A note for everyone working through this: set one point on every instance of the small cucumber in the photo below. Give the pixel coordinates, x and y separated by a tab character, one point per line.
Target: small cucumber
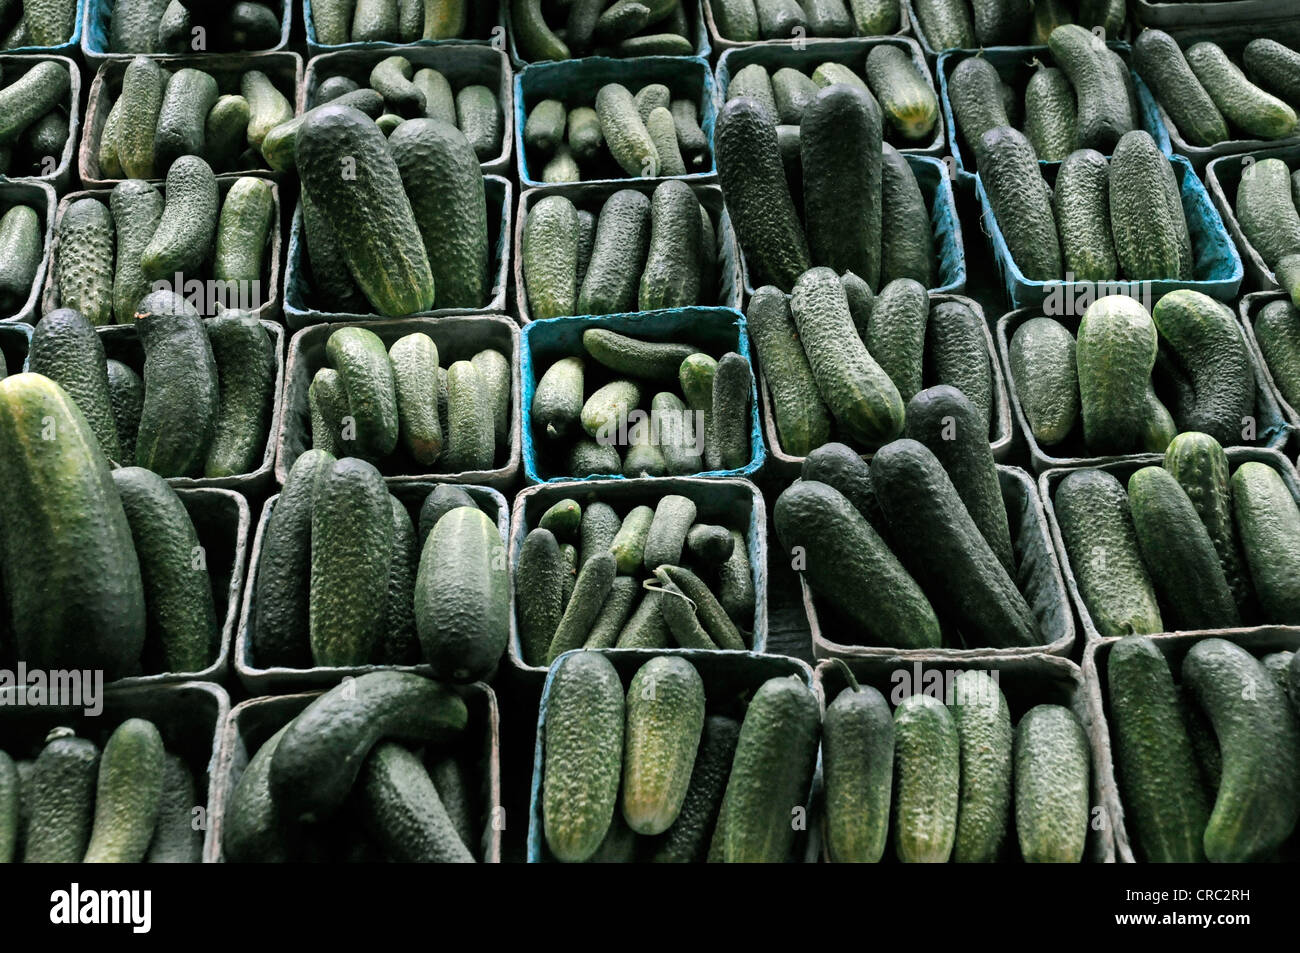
614	613
927	757
802	421
470	443
1268	520
629	542
647	628
595	579
557	401
1051	786
665	718
606	411
730	421
362	362
722	631
128	794
188	224
478	115
402	810
182	117
710	545
625	134
539	594
680	434
398	641
391	78
563	519
84	265
550	257
414	359
673	518
647	360
267	106
858	763
983	721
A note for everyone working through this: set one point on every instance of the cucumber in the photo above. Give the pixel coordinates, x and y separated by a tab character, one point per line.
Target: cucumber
1177	550
974	90
351	553
539	576
687	840
771	772
563	520
470	423
49	22
626	136
1267	518
323	750
31	96
845	562
65	348
586	241
267	106
680	434
595	579
613	614
536	40
11	809
1051	786
674	515
1021	201
279	144
181	399
1147	246
721	630
828	18
414	359
665	719
398	642
1042	364
479	117
494	371
755	82
184	237
391	78
957	353
955	566
858	761
670	277
401	809
736	19
1115	351
895	335
175	28
561	168
84	264
1273	67
583	744
63	800
136	209
1000	22
362	362
927	765
1104	110
242	231
736	583
1166	805
444	19
328	405
544	128
1051	118
663	133
1266	211
1259	114
907	242
709	545
110	161
778	19
439	101
648	360
801	418
984	734
126	394
128	794
557	401
839	467
729	419
646	629
445	498
907	100
945	24
606	411
588	458
1159	60
1258	800
1082	208
375	21
584	134
620	21
182	117
452	785
628	545
143	83
550	257
683	624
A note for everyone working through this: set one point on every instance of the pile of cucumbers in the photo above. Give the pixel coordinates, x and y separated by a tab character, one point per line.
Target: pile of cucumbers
659	772
903	91
200	405
390	21
560	30
131	802
652	408
1194	543
843	364
160	115
1207	95
1277	331
1268	197
640	254
38	23
945	773
652	578
399	408
371	770
22	246
747	21
109	255
616	135
347	577
1207	768
194	26
1133	379
103	568
34	119
971	24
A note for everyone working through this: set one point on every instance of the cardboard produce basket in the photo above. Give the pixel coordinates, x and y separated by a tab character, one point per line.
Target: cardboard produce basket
1222	178
69	46
123	343
1122	469
253	722
1175	646
1247	311
463	65
576	82
1271	426
284	70
1230	23
263	301
486	28
736	504
60	173
257	678
99	17
15	338
591	198
695	16
1025	681
458	337
301	310
727	678
190	716
40	198
1038	577
1001	430
1218	269
714	330
723	44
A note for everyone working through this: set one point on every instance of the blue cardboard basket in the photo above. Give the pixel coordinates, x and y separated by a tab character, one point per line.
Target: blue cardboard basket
694	14
725	675
99	14
576	82
1015	65
488	30
936	188
1218	267
300	312
807	56
715	330
68	47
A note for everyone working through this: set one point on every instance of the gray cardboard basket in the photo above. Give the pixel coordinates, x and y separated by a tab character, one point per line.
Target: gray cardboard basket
190	716
1122	469
257	679
123	343
459	337
1272	426
728	677
269	307
807	55
463	65
283	69
1001	427
722	44
1038	577
40	197
1230	23
61	175
253	722
1246	311
1025	681
1222	177
591	198
1175	646
695	18
15	338
99	16
732	502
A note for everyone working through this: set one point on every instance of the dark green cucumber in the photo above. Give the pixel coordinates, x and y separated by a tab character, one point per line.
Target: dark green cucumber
1104	110
65	348
445	498
1051	786
1147	246
957	353
722	631
557	401
1245	105
128	794
907	241
245	362
1083	215
648	360
858	763
62	789
709	544
182	117
137	209
670	277
646	629
1051	119
1115	351
126	394
666	539
907	100
1266	211
927	785
1268	520
613	615
1042	364
549	255
398	643
254	829
839	467
687	840
984	734
1273	67
401	808
1021	201
802	421
728	446
22	248
895	335
595	579
184	237
84	264
736	582
176	838
945	24
1159	60
539	593
975	92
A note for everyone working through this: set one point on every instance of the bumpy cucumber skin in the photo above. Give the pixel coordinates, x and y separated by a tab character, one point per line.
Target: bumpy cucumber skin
957	353
539	594
62	788
1246	105
595	579
1269	522
687	841
907	100
1266	211
946	24
84	264
66	349
1147	246
670	277
1021	201
128	794
1083	216
1042	364
1104	109
895	334
984	734
401	806
1160	62
927	759
188	225
137	208
1115	352
1051	786
907	241
802	421
550	257
665	718
858	761
1277	329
